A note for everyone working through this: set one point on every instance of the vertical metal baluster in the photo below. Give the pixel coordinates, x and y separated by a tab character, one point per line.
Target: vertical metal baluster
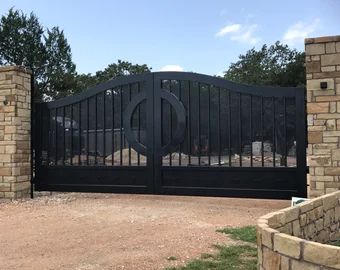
71	127
64	136
199	124
240	126
121	126
40	136
88	130
113	126
274	141
138	155
219	126
48	138
180	145
170	126
162	120
189	124
104	127
209	128
79	134
262	135
229	127
132	127
95	131
285	131
251	131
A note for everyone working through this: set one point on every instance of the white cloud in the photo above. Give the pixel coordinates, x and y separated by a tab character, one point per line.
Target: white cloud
297	32
232	28
241	33
171	68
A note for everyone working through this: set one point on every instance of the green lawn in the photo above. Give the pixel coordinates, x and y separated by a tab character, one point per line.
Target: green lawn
242	256
335	243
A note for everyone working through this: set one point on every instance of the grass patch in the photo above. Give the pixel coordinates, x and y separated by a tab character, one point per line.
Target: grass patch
241	257
228	257
335	243
246	234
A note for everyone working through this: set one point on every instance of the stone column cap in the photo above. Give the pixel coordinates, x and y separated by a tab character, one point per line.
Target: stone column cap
322	39
15	68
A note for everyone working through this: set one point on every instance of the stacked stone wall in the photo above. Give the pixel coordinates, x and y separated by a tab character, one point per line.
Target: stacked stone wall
323	108
15	132
296	238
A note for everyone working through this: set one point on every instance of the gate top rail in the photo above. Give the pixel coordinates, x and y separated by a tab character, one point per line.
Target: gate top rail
265	91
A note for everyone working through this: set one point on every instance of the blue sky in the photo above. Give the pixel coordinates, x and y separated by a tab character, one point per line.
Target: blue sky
198	36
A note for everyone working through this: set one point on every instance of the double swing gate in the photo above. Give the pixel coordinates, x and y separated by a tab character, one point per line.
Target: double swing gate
173	133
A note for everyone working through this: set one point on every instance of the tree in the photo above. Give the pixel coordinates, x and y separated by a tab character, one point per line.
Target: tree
121	68
23	41
273	65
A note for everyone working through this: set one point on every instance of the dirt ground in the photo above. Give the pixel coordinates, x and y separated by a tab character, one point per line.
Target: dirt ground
102	232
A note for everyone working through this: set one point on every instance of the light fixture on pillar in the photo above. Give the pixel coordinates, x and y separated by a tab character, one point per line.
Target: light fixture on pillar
323	85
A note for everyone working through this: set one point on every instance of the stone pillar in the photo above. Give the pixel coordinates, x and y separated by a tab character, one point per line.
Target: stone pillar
15	132
323	108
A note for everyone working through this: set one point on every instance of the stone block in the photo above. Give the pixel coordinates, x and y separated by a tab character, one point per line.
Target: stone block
317	253
301	265
331	125
5	187
328	69
315	136
319	170
319	224
329	202
336	154
5	158
314	66
296	228
303	220
328	116
337	213
332	171
287	245
20	186
314	84
319	161
313	49
330	47
325	75
285	263
327	98
271	260
320	107
330	59
267	237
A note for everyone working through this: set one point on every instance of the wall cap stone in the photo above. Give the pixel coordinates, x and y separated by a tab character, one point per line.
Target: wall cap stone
322	39
15	68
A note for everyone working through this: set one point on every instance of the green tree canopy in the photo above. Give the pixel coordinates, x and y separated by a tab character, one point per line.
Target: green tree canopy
23	41
121	68
274	65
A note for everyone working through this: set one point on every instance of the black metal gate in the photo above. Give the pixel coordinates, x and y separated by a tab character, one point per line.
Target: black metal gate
174	133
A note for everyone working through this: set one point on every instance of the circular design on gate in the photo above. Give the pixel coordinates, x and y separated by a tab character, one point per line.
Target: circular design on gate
180	127
140	148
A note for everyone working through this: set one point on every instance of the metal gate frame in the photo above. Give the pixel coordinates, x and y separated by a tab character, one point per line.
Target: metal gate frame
155	178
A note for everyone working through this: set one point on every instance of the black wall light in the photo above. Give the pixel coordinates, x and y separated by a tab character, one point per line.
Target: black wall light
323	85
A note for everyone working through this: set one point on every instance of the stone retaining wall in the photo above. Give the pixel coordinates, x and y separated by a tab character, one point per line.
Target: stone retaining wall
294	238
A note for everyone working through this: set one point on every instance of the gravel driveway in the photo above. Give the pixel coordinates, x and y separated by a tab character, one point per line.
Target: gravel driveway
101	232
